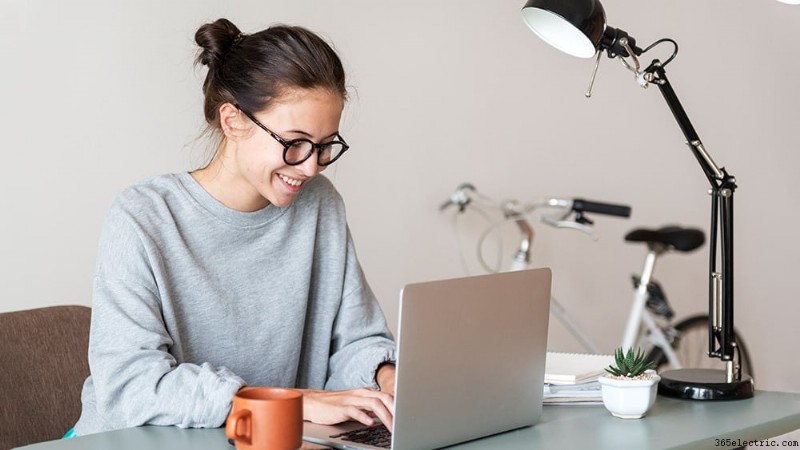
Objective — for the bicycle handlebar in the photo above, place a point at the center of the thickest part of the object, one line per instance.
(580, 205)
(466, 195)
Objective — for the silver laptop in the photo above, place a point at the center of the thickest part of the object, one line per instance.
(471, 357)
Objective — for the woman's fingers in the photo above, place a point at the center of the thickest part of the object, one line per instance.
(358, 414)
(381, 404)
(362, 405)
(386, 399)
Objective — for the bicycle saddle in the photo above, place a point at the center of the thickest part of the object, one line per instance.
(675, 237)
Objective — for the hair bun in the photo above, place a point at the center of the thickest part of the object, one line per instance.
(215, 40)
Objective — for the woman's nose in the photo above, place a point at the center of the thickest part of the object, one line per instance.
(310, 167)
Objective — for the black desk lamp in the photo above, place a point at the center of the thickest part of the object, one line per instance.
(578, 27)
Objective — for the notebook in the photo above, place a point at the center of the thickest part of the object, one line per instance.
(574, 368)
(588, 393)
(471, 360)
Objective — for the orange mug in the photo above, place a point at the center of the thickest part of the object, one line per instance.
(266, 418)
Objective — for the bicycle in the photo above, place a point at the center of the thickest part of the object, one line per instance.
(650, 324)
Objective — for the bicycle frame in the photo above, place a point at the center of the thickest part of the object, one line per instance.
(641, 326)
(558, 311)
(640, 316)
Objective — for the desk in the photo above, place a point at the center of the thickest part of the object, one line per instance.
(672, 423)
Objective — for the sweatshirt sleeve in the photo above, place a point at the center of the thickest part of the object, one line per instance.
(136, 379)
(361, 340)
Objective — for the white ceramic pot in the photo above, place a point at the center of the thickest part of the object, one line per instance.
(629, 399)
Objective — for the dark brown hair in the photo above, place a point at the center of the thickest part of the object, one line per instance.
(253, 70)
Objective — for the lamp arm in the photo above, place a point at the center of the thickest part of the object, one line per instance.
(720, 334)
(656, 74)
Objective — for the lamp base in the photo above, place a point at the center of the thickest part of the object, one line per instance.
(704, 384)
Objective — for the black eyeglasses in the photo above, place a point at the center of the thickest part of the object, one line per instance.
(296, 151)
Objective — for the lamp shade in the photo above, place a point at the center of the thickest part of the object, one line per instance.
(575, 27)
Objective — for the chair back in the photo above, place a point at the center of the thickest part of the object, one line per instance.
(43, 365)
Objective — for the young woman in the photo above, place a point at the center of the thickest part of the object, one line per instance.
(242, 272)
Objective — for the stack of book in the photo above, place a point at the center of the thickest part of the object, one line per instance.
(571, 378)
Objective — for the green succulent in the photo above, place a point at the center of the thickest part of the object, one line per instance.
(629, 364)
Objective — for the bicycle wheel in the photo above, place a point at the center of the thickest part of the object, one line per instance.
(691, 346)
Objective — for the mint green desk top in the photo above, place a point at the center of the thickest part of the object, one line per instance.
(670, 424)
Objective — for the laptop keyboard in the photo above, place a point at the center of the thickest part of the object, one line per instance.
(377, 436)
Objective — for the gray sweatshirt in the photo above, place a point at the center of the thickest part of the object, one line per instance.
(192, 300)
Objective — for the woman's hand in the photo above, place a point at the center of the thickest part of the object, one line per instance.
(362, 405)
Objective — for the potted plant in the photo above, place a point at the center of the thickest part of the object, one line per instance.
(630, 386)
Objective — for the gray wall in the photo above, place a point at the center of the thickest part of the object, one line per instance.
(98, 95)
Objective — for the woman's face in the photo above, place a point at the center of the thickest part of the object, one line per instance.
(263, 176)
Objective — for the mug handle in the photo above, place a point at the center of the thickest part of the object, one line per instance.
(244, 417)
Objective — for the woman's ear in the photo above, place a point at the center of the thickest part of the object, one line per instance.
(231, 121)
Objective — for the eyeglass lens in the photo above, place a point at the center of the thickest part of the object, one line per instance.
(300, 150)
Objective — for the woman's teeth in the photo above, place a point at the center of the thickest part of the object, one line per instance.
(290, 181)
